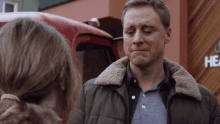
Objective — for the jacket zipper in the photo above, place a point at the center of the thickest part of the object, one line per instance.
(126, 109)
(125, 105)
(168, 107)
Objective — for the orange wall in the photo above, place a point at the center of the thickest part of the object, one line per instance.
(116, 7)
(176, 50)
(83, 10)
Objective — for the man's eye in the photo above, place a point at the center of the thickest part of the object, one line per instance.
(129, 32)
(147, 31)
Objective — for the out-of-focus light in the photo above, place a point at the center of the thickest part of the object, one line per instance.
(94, 22)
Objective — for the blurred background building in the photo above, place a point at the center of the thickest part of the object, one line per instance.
(195, 29)
(18, 5)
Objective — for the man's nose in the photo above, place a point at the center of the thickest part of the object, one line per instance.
(138, 38)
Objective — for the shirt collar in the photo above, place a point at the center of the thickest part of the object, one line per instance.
(129, 78)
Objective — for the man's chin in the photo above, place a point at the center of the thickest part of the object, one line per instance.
(141, 63)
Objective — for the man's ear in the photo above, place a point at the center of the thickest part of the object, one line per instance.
(168, 35)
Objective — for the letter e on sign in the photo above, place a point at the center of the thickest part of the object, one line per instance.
(215, 61)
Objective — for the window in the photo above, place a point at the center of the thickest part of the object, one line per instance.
(9, 6)
(46, 4)
(92, 59)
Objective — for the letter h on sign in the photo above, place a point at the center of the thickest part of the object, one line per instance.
(208, 61)
(213, 61)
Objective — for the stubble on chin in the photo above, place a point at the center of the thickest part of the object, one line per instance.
(144, 61)
(139, 61)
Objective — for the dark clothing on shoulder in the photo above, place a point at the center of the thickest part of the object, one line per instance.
(105, 100)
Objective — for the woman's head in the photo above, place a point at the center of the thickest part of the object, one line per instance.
(36, 66)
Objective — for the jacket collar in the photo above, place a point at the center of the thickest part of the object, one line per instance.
(185, 83)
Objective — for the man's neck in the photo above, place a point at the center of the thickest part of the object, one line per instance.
(148, 76)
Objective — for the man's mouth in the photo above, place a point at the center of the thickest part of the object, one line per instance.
(141, 50)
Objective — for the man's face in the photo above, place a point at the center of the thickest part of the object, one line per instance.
(144, 36)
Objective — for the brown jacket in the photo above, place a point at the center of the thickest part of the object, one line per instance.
(104, 100)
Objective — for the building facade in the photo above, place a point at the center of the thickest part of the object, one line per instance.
(18, 5)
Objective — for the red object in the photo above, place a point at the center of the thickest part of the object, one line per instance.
(69, 28)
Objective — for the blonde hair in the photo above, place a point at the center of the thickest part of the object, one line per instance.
(34, 60)
(159, 6)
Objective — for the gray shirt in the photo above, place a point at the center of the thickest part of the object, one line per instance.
(150, 108)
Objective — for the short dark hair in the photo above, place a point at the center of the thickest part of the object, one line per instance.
(159, 6)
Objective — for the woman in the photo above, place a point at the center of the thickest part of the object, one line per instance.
(37, 74)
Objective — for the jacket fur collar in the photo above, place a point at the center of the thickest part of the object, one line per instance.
(185, 83)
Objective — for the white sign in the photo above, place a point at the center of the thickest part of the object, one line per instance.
(213, 61)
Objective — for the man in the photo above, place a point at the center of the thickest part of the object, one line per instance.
(144, 87)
